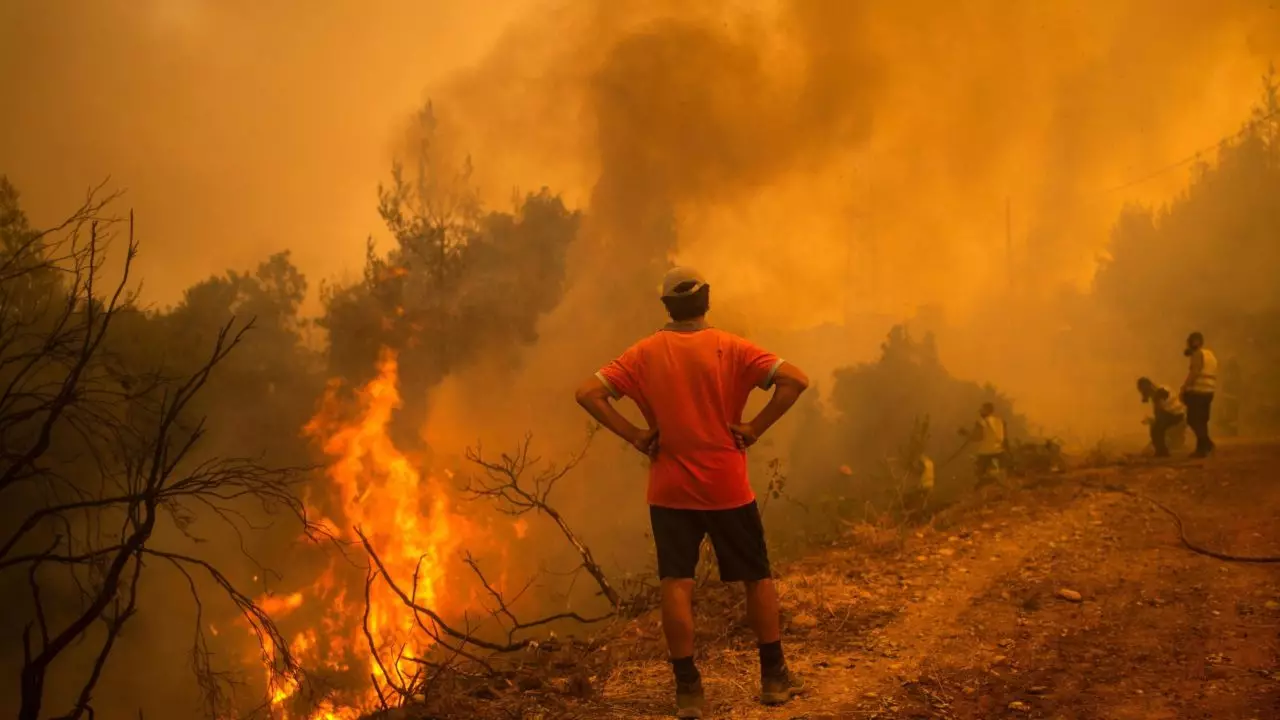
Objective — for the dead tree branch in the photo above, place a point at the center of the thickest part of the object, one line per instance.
(517, 491)
(86, 514)
(436, 621)
(374, 650)
(70, 346)
(503, 610)
(449, 638)
(510, 485)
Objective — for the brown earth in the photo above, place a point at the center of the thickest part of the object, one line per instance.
(967, 618)
(964, 619)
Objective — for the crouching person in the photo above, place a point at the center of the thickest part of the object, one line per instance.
(1169, 416)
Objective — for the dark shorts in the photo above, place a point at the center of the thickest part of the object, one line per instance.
(737, 536)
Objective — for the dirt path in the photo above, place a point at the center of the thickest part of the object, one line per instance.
(964, 619)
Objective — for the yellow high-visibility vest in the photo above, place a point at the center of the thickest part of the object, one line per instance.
(992, 440)
(1204, 371)
(1171, 404)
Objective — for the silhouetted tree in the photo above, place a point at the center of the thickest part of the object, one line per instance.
(99, 459)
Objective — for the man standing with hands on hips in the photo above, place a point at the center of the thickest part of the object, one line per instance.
(691, 382)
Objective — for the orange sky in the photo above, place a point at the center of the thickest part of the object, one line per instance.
(239, 128)
(242, 128)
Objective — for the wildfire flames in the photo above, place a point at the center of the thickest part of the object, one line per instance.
(407, 519)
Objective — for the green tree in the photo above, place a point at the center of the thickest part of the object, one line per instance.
(457, 281)
(266, 391)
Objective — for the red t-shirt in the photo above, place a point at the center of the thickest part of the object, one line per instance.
(690, 386)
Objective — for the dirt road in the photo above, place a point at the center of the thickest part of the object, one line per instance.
(965, 619)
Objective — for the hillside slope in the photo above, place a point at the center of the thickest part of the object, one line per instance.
(966, 618)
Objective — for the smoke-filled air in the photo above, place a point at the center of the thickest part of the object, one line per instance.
(411, 360)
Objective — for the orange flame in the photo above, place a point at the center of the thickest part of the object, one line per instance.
(407, 519)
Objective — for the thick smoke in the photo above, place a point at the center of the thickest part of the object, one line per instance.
(834, 162)
(688, 114)
(844, 161)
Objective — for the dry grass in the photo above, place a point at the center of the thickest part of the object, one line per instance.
(956, 618)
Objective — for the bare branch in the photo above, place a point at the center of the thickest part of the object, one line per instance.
(95, 330)
(115, 623)
(436, 627)
(57, 379)
(505, 483)
(373, 646)
(516, 625)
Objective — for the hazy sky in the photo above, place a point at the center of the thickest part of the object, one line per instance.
(241, 127)
(238, 127)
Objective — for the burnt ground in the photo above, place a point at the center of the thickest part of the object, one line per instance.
(966, 618)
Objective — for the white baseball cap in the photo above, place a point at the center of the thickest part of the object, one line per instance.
(678, 276)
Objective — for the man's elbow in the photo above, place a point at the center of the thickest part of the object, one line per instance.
(792, 377)
(590, 392)
(802, 380)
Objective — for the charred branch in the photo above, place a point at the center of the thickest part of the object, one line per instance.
(453, 640)
(502, 608)
(374, 651)
(89, 513)
(515, 487)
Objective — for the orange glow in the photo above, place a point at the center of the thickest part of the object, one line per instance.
(406, 516)
(278, 606)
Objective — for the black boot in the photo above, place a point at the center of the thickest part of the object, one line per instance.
(690, 699)
(777, 687)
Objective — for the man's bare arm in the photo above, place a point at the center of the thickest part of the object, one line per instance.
(788, 383)
(596, 399)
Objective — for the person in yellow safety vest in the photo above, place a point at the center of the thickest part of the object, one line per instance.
(1197, 391)
(1168, 413)
(988, 435)
(919, 484)
(924, 473)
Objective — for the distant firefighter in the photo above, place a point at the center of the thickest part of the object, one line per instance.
(917, 485)
(922, 471)
(990, 444)
(1198, 389)
(1169, 419)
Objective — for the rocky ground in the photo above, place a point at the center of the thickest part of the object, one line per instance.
(1058, 598)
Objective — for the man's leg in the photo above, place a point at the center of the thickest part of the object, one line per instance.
(763, 612)
(1208, 413)
(677, 619)
(738, 538)
(677, 535)
(1198, 418)
(985, 466)
(1193, 418)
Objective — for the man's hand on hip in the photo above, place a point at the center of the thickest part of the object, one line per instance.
(744, 436)
(646, 441)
